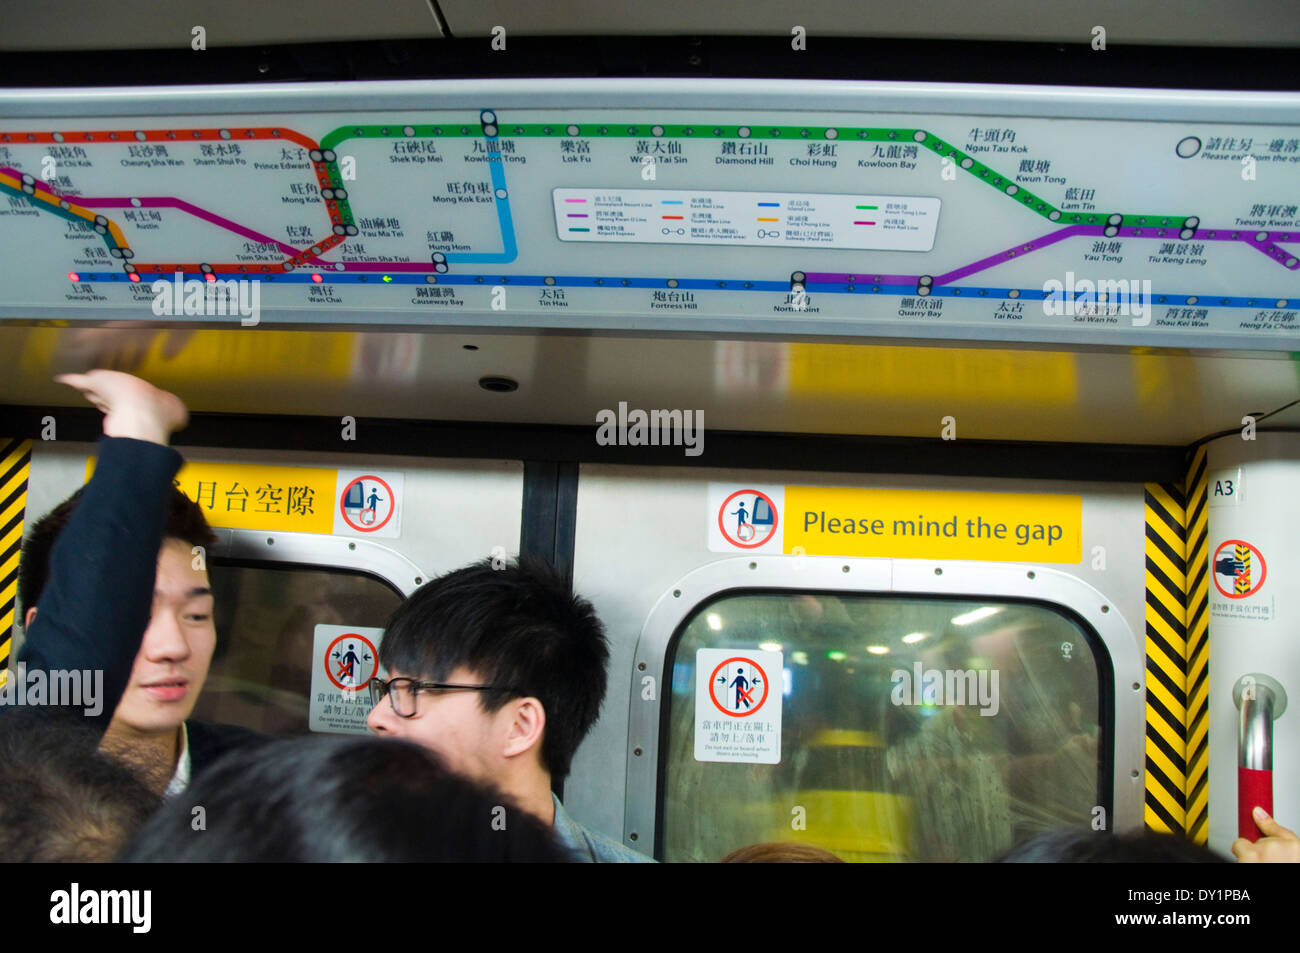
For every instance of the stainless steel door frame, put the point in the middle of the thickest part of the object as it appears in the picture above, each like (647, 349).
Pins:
(979, 580)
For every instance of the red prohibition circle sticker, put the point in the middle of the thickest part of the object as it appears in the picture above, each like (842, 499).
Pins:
(372, 507)
(1240, 566)
(738, 679)
(752, 516)
(351, 661)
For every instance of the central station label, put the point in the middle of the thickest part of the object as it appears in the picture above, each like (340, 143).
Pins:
(795, 219)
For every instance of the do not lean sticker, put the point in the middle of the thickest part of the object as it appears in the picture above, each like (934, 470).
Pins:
(738, 706)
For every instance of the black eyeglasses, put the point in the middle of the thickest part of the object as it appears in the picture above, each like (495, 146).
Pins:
(402, 692)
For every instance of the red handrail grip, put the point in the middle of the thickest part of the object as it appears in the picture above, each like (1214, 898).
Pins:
(1254, 789)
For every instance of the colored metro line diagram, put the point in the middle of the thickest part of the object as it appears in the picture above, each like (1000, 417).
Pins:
(961, 225)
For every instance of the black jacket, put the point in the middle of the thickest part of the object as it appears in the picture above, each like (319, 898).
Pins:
(96, 605)
(209, 741)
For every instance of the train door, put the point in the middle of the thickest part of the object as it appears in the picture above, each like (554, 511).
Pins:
(883, 708)
(305, 582)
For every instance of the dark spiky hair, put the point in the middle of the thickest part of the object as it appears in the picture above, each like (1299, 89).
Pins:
(520, 627)
(61, 799)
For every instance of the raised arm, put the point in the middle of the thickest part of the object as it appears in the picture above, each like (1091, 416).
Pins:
(96, 605)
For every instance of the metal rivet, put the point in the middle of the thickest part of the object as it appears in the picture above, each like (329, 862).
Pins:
(1105, 608)
(677, 593)
(640, 666)
(637, 752)
(1137, 687)
(632, 836)
(419, 581)
(1030, 574)
(1133, 775)
(270, 541)
(753, 565)
(352, 545)
(938, 571)
(844, 569)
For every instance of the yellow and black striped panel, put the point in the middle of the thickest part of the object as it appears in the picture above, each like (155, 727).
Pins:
(1166, 654)
(15, 463)
(1198, 650)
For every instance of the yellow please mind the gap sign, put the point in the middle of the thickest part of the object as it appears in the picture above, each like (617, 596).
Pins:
(934, 524)
(249, 496)
(896, 524)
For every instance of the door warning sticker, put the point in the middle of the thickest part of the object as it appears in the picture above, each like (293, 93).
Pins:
(344, 659)
(738, 706)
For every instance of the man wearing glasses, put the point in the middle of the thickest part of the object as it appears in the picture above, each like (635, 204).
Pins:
(501, 672)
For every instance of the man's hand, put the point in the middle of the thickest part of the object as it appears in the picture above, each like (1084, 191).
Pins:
(1277, 846)
(132, 407)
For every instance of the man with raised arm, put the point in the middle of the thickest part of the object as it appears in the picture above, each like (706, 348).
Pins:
(96, 605)
(110, 576)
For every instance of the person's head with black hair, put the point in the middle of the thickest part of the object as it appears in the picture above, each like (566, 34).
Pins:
(185, 523)
(326, 800)
(62, 800)
(529, 656)
(175, 650)
(1078, 846)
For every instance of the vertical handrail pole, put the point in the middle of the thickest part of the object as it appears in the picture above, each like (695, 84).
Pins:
(1260, 700)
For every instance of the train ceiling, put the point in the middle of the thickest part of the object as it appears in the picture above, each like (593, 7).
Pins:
(158, 23)
(904, 389)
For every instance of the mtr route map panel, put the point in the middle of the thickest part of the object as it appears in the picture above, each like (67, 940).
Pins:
(1177, 233)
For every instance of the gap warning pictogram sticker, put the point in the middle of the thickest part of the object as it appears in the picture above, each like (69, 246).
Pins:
(368, 503)
(747, 518)
(738, 706)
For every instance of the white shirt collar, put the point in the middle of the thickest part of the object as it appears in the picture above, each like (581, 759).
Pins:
(181, 779)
